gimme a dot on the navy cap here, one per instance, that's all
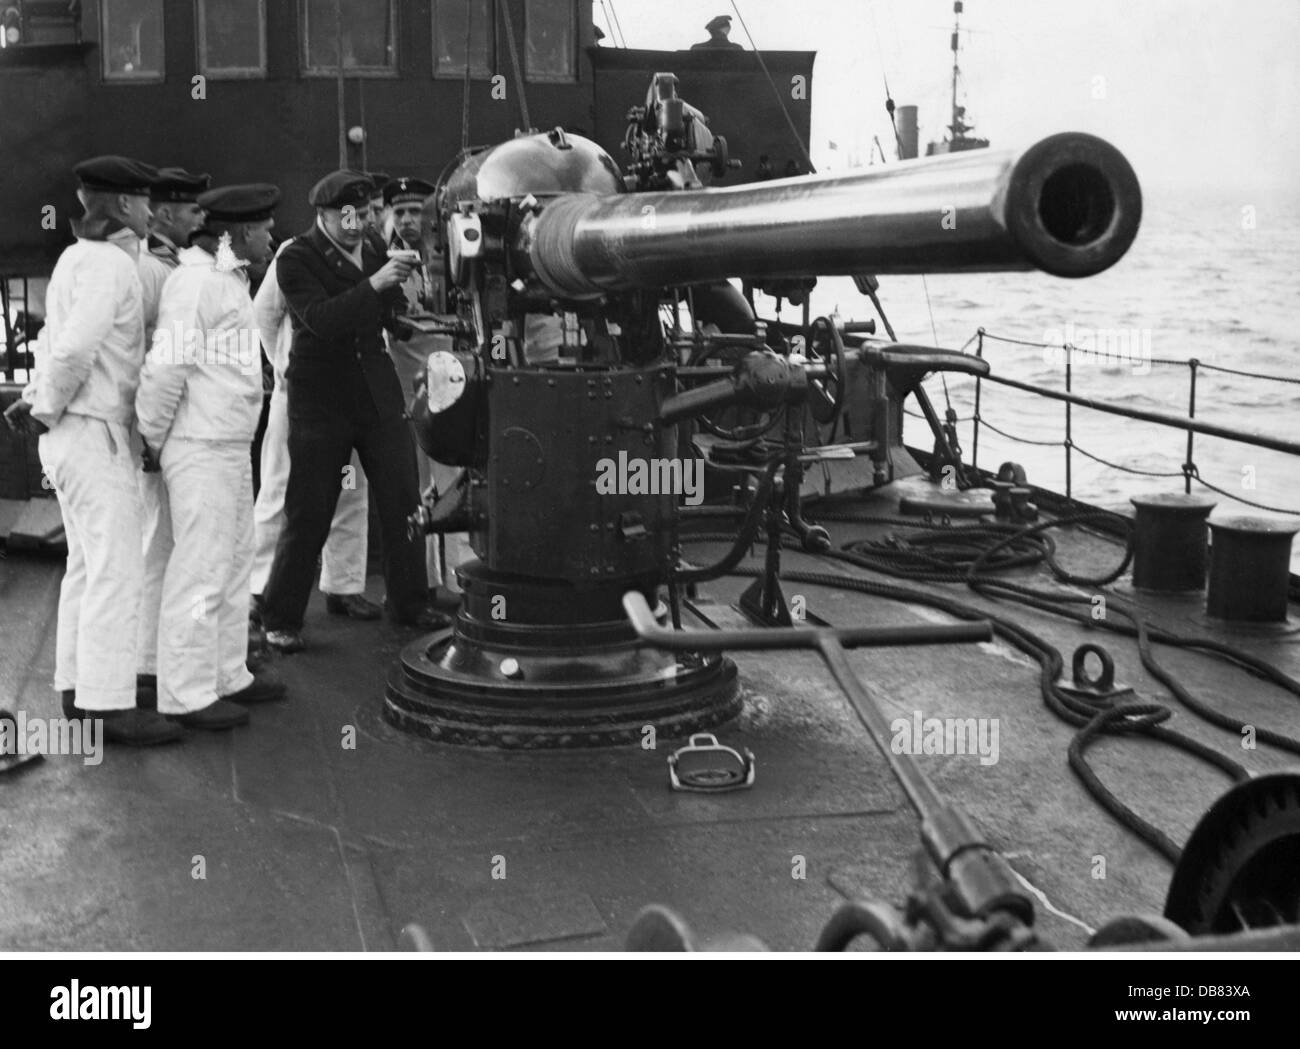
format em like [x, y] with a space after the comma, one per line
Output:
[379, 179]
[251, 202]
[114, 174]
[176, 185]
[341, 188]
[400, 190]
[718, 23]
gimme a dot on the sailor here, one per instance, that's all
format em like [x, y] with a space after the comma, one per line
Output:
[198, 404]
[379, 213]
[405, 199]
[173, 199]
[343, 394]
[176, 213]
[718, 29]
[343, 560]
[83, 391]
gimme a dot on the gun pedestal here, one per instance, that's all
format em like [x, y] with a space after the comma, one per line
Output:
[566, 670]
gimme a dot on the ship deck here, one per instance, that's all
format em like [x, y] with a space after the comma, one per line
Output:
[311, 846]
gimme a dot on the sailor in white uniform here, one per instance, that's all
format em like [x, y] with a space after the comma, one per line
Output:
[83, 391]
[198, 404]
[173, 199]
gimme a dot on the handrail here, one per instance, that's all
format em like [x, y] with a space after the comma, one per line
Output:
[1174, 421]
[1189, 424]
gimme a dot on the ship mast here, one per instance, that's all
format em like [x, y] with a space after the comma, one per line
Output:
[955, 127]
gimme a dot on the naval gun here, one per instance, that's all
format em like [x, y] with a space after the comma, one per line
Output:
[569, 391]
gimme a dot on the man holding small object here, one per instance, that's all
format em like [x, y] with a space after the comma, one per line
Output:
[343, 394]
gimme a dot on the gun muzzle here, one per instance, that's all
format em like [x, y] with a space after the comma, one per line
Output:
[1069, 205]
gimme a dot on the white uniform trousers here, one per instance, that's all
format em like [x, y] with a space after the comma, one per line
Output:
[89, 462]
[156, 535]
[409, 360]
[203, 629]
[343, 560]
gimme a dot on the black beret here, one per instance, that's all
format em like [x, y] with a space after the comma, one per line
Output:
[178, 185]
[251, 202]
[407, 189]
[378, 179]
[116, 175]
[718, 23]
[341, 188]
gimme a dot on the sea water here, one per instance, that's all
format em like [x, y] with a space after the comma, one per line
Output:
[1211, 276]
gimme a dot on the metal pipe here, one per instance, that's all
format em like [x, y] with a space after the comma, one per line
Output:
[1069, 204]
[1190, 425]
[648, 629]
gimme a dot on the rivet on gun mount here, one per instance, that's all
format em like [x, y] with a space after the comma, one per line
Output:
[708, 767]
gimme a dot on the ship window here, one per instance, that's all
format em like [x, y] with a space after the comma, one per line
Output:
[451, 18]
[131, 39]
[550, 38]
[369, 37]
[232, 38]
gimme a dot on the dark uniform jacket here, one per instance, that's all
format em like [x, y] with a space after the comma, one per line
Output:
[338, 361]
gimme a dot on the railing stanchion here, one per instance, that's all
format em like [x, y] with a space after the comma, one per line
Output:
[1069, 434]
[1191, 435]
[975, 438]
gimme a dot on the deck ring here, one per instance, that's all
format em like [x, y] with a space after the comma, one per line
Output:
[1105, 680]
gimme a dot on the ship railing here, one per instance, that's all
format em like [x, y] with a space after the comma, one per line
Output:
[1189, 424]
[15, 302]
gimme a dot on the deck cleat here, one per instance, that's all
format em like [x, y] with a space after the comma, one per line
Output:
[708, 767]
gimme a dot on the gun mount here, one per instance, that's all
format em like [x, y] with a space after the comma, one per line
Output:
[567, 395]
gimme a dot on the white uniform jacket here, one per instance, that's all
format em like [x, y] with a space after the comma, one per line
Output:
[202, 379]
[89, 352]
[153, 276]
[271, 311]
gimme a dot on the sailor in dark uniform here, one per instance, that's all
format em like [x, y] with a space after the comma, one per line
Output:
[343, 394]
[718, 29]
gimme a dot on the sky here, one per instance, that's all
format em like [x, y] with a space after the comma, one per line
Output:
[1191, 90]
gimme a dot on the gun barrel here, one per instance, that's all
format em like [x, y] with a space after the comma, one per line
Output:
[1069, 205]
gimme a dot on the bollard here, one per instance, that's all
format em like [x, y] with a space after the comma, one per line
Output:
[1169, 542]
[1250, 567]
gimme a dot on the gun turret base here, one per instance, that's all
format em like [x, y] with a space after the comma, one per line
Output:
[581, 679]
